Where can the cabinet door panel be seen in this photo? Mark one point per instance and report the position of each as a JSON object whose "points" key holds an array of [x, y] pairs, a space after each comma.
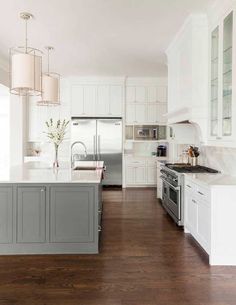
{"points": [[152, 94], [140, 94], [204, 223], [140, 113], [130, 94], [140, 175], [151, 175], [116, 100], [130, 113], [130, 175], [6, 218], [152, 114], [191, 213], [162, 94], [90, 100], [102, 105], [31, 213], [161, 110], [77, 100], [72, 212]]}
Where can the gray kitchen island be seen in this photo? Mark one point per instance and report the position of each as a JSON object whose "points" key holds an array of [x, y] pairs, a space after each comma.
{"points": [[49, 211]]}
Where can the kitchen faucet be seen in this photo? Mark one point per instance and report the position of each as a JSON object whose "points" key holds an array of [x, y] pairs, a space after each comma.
{"points": [[77, 157]]}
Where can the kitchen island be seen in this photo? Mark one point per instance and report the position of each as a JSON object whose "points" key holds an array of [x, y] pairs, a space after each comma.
{"points": [[49, 211]]}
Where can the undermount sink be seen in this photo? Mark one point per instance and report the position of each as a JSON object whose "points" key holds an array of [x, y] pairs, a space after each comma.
{"points": [[85, 168]]}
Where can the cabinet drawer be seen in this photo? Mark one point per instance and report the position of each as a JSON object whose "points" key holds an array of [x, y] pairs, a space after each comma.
{"points": [[202, 193], [189, 186], [135, 162]]}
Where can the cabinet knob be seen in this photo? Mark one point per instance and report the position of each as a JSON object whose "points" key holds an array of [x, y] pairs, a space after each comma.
{"points": [[99, 228], [42, 190]]}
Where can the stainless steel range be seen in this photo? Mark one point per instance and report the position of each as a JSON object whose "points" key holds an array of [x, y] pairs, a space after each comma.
{"points": [[173, 187]]}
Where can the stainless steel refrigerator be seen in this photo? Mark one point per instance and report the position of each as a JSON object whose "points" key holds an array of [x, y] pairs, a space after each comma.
{"points": [[103, 140]]}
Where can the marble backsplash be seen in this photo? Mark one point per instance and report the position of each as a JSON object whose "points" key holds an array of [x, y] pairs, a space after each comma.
{"points": [[220, 158]]}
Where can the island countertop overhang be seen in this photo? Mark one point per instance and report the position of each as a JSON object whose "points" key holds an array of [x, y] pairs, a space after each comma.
{"points": [[39, 172]]}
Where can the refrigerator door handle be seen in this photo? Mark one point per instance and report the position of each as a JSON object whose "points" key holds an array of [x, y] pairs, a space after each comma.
{"points": [[99, 150]]}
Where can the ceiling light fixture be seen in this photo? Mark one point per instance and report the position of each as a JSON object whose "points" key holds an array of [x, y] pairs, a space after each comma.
{"points": [[25, 67], [50, 86]]}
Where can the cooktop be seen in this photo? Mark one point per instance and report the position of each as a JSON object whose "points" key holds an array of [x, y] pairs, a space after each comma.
{"points": [[187, 168]]}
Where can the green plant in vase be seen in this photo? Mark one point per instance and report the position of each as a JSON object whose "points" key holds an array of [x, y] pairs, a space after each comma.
{"points": [[56, 133]]}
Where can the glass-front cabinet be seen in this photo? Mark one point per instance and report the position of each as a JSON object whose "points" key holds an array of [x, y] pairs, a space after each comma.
{"points": [[221, 79]]}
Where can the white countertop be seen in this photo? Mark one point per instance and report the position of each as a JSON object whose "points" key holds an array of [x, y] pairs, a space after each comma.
{"points": [[39, 172], [212, 180]]}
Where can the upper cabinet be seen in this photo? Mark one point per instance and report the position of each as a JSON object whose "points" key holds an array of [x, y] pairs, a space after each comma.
{"points": [[188, 74], [146, 102], [96, 99], [222, 112]]}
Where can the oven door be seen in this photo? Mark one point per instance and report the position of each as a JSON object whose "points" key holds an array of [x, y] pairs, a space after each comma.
{"points": [[172, 199]]}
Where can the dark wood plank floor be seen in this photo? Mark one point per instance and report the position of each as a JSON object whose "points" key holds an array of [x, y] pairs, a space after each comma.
{"points": [[145, 260]]}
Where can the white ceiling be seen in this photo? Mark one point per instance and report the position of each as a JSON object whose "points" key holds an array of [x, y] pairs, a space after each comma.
{"points": [[99, 37]]}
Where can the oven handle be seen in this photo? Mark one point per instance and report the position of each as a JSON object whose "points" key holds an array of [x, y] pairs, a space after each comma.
{"points": [[173, 187]]}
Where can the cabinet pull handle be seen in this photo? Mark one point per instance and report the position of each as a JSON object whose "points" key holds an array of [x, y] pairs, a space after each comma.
{"points": [[200, 193], [193, 201], [189, 186], [99, 211]]}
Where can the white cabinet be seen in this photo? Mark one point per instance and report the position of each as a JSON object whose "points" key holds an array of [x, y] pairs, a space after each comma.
{"points": [[116, 101], [197, 218], [188, 74], [222, 110], [130, 175], [77, 100], [102, 105], [140, 175], [140, 171], [156, 112], [130, 113], [146, 104], [96, 100], [89, 102], [151, 175], [135, 94], [140, 113]]}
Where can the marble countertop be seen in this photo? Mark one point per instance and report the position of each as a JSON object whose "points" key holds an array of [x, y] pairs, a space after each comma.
{"points": [[39, 172], [212, 180]]}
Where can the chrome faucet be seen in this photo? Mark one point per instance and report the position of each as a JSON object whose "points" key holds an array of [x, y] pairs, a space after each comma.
{"points": [[77, 157]]}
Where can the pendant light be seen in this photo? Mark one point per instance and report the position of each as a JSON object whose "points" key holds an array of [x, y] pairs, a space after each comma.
{"points": [[50, 86], [25, 67]]}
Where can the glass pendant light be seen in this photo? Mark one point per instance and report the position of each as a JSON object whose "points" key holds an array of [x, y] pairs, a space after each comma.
{"points": [[50, 86], [25, 67]]}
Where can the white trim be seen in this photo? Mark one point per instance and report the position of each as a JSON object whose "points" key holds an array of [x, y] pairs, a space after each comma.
{"points": [[96, 80], [146, 81]]}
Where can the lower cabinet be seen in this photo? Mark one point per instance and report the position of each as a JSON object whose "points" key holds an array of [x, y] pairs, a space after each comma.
{"points": [[197, 218], [31, 214], [140, 171], [71, 214], [50, 218], [6, 215]]}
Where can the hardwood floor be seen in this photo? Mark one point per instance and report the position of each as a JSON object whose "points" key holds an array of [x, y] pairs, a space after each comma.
{"points": [[145, 259]]}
